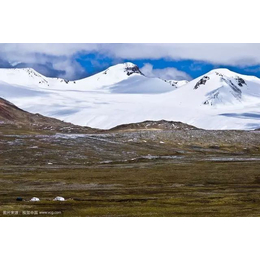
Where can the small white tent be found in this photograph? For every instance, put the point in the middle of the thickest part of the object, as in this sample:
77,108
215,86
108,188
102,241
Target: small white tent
35,199
59,199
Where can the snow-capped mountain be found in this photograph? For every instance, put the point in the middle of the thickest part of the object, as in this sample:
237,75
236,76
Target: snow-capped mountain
129,76
220,99
29,77
221,87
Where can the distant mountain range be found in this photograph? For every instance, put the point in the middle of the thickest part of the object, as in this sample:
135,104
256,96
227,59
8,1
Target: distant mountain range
122,94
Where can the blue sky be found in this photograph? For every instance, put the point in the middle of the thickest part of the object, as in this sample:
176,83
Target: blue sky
169,61
192,67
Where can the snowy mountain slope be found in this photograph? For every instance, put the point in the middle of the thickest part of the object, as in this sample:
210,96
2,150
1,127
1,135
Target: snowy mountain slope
110,76
12,117
220,99
107,80
29,77
220,87
177,83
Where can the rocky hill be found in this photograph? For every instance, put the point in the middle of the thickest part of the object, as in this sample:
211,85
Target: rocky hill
13,117
154,125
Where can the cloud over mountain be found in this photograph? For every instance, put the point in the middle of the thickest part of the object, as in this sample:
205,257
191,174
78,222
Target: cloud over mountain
166,73
61,59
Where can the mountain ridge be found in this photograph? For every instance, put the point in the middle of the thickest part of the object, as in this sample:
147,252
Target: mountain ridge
219,99
118,72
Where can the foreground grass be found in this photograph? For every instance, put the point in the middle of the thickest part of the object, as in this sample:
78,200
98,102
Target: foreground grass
154,188
151,173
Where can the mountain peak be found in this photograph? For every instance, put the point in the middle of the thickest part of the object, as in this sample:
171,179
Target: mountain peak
128,67
129,64
221,72
28,70
131,68
22,71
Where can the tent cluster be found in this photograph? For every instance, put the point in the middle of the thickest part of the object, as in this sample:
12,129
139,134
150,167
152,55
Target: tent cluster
37,199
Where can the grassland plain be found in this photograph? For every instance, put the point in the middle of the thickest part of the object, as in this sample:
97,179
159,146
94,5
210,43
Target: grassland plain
130,173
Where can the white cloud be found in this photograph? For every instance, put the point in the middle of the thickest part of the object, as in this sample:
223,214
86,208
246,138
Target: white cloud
226,54
62,56
56,59
236,54
71,68
166,73
56,49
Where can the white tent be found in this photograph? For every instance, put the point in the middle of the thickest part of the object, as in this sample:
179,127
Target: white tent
59,199
35,199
